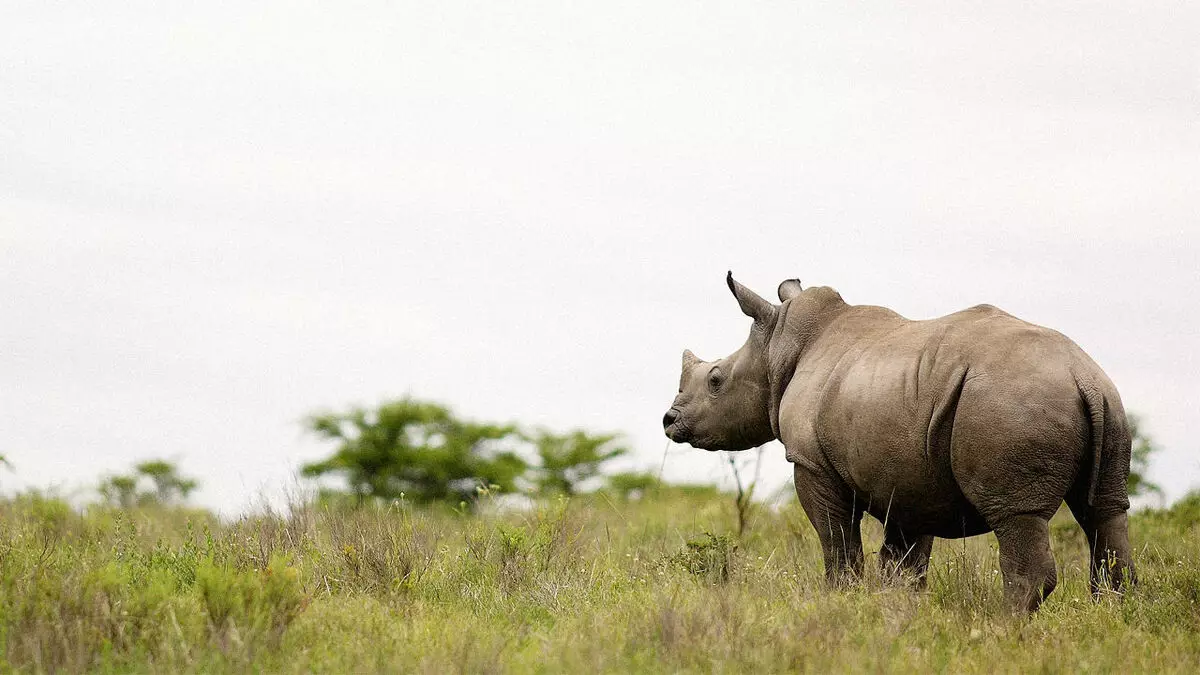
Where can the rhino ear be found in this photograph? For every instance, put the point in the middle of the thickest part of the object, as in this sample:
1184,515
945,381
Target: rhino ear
789,289
689,360
752,304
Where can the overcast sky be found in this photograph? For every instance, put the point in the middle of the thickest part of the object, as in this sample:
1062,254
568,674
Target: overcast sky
219,217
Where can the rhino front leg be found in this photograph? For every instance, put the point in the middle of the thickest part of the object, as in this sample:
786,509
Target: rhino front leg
837,519
905,557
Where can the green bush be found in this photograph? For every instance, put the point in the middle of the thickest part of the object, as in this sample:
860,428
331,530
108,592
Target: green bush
246,607
421,452
709,556
567,461
630,484
416,450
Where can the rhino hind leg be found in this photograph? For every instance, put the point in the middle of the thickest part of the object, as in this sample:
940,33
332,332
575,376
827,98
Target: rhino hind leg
1099,500
905,557
1111,564
1026,563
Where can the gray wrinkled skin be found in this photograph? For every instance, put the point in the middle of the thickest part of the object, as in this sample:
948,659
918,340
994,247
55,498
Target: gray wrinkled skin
969,423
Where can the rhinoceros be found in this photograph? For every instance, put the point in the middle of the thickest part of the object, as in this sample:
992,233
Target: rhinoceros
950,427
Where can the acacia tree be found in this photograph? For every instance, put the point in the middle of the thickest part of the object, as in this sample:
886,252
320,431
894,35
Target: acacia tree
1139,461
416,449
567,460
169,486
626,484
120,490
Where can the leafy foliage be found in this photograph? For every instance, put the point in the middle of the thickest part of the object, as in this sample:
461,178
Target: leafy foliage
1139,462
420,451
710,556
417,450
167,486
629,484
568,460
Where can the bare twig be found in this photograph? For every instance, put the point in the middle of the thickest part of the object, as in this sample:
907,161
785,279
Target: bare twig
744,493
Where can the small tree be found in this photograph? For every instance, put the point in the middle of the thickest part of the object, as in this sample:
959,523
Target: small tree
567,460
1139,461
416,449
630,483
119,491
743,498
169,487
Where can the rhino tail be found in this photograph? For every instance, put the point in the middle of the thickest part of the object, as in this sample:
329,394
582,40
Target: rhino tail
1094,403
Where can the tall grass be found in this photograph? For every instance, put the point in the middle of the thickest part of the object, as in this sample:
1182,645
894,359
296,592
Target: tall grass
592,584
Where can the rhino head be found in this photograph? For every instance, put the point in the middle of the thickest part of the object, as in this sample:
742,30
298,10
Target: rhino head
726,404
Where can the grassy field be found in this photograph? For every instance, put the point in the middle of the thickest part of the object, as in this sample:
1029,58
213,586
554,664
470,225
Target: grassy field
592,584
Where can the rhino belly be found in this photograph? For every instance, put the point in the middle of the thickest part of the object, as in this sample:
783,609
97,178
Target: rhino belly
900,478
945,515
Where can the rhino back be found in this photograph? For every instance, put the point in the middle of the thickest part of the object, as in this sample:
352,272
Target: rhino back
907,412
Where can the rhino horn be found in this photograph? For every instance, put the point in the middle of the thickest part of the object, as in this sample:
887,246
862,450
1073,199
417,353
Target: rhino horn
753,305
689,360
789,289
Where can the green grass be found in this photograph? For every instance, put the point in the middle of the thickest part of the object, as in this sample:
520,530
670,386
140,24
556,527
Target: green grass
593,584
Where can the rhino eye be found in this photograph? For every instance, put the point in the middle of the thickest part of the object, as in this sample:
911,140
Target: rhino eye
715,379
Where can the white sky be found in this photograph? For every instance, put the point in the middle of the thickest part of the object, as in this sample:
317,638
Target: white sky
215,219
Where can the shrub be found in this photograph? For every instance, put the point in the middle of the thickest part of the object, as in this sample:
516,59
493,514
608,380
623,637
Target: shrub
416,450
566,461
710,556
249,607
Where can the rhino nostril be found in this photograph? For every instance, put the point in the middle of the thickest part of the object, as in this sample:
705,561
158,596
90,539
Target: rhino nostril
670,418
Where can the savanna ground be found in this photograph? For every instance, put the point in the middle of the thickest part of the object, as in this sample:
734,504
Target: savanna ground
596,583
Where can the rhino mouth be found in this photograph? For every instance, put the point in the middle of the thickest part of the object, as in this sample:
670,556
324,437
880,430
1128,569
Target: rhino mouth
677,430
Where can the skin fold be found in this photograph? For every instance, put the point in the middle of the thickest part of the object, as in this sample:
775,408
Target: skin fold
950,427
